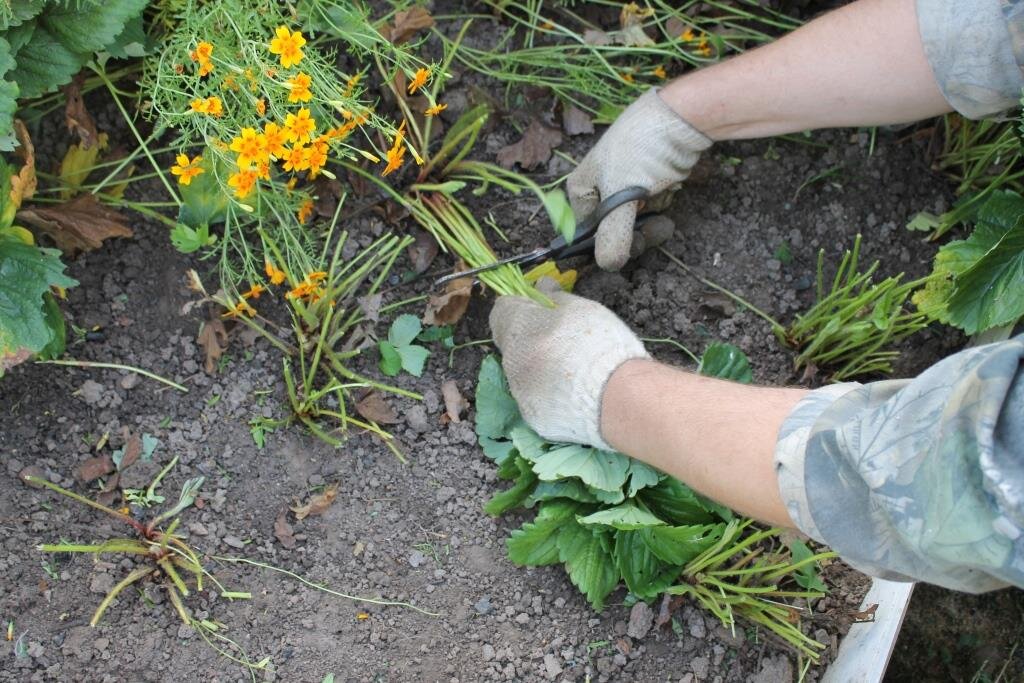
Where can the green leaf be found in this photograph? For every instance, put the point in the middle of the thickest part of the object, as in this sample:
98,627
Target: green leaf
678,545
625,517
644,573
509,467
17,11
186,240
572,489
807,575
390,361
203,200
588,560
536,543
991,291
441,333
28,324
413,358
609,497
404,330
529,444
600,469
86,28
506,500
496,410
641,475
675,502
560,213
497,451
131,42
725,361
44,64
55,321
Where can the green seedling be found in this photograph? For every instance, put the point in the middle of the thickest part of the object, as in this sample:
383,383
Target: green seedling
149,497
188,240
398,352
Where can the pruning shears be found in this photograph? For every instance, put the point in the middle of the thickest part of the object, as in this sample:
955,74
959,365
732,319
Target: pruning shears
559,249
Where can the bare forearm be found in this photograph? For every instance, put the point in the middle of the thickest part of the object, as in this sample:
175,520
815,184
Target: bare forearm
861,65
718,437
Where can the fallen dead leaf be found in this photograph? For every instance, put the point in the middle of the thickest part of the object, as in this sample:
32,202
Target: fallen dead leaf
448,308
77,164
407,24
422,251
370,306
23,185
213,340
533,149
374,408
675,27
575,121
594,37
328,192
283,531
76,116
631,19
94,468
108,494
670,604
78,225
318,503
132,451
864,615
454,403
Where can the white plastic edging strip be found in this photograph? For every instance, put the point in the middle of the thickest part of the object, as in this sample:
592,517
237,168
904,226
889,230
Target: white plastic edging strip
864,652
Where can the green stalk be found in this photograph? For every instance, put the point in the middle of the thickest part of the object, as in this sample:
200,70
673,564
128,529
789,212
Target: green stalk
135,575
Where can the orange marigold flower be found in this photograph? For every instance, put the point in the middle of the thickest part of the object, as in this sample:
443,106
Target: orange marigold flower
659,71
261,106
351,83
250,147
703,47
274,138
396,155
205,69
298,88
275,274
263,170
627,77
688,35
186,170
419,80
288,46
210,105
254,292
316,157
292,182
295,159
435,110
242,307
317,276
202,53
299,127
242,182
305,211
305,290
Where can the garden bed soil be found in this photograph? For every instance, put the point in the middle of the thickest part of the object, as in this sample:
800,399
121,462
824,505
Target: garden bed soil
416,532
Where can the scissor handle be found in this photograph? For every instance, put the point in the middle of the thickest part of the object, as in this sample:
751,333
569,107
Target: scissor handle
586,229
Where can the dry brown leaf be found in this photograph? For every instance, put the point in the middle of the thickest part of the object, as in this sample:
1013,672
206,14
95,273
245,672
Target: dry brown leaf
328,192
318,503
283,531
23,185
533,149
865,615
374,408
448,308
370,306
78,225
454,403
407,24
76,116
132,451
675,27
422,252
213,340
594,37
575,121
94,468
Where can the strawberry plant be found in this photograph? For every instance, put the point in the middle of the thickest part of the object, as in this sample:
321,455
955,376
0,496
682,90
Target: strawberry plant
611,520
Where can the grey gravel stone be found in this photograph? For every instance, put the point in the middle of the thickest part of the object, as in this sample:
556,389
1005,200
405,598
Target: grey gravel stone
640,619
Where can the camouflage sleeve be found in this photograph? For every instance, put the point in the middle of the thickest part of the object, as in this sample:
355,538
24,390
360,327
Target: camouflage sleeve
975,49
917,479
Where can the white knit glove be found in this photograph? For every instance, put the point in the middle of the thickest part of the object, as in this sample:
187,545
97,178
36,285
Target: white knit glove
648,145
559,359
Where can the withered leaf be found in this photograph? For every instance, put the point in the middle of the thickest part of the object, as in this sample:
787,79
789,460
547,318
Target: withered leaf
422,252
864,615
94,468
370,306
448,308
23,185
76,116
77,164
318,503
408,23
283,531
454,403
328,192
675,27
575,121
533,149
213,340
132,451
631,20
109,492
374,408
594,37
78,225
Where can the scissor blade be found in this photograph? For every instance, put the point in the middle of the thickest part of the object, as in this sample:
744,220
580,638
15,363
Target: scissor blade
518,258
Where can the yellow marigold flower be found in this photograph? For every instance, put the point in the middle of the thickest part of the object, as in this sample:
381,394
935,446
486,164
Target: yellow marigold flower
250,147
419,80
202,53
627,77
305,211
242,307
210,105
317,276
254,292
659,71
295,159
396,155
703,47
292,182
288,46
316,157
275,274
242,182
305,290
261,106
299,127
688,35
274,138
298,88
351,83
435,110
186,170
263,170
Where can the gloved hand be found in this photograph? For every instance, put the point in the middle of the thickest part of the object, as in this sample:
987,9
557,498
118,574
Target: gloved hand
648,145
559,359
